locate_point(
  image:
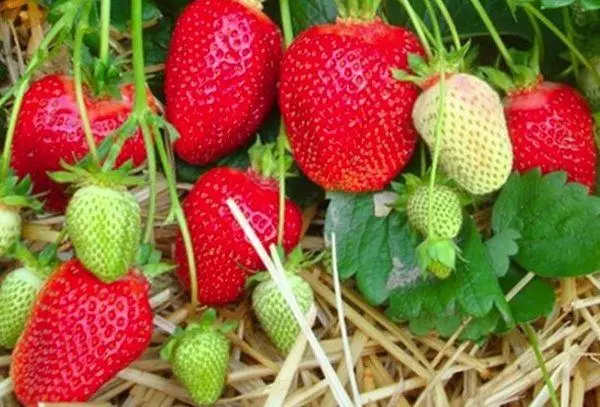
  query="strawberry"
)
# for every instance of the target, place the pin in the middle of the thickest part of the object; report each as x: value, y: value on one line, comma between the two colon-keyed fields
x: 49, y: 129
x: 200, y: 358
x: 347, y: 119
x: 447, y: 212
x: 17, y: 295
x: 223, y: 255
x: 221, y: 74
x: 19, y: 291
x: 475, y: 148
x: 10, y: 227
x: 274, y: 314
x: 81, y: 333
x: 105, y: 226
x: 552, y: 128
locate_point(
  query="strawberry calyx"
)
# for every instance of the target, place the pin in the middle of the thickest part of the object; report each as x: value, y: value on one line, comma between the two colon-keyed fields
x: 265, y: 159
x: 412, y: 183
x: 207, y: 322
x: 437, y: 256
x: 80, y: 176
x: 38, y: 266
x: 426, y: 73
x: 148, y: 261
x: 16, y: 193
x: 295, y: 261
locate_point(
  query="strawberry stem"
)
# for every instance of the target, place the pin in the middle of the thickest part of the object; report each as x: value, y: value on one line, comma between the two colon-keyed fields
x: 554, y: 29
x: 538, y: 40
x: 181, y: 220
x: 570, y: 34
x: 494, y: 34
x: 140, y: 109
x: 286, y: 22
x: 451, y: 26
x: 80, y: 31
x: 436, y: 151
x: 439, y: 42
x: 281, y: 171
x: 104, y: 30
x: 353, y: 8
x: 419, y: 26
x: 531, y: 336
x: 65, y: 21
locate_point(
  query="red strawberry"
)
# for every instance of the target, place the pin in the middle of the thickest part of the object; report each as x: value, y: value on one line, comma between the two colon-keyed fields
x: 224, y: 258
x: 551, y: 127
x: 81, y: 333
x: 221, y: 75
x: 49, y: 129
x: 348, y: 120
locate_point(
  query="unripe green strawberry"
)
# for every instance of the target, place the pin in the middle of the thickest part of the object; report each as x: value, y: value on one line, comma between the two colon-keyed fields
x: 274, y: 314
x: 475, y: 148
x: 17, y: 295
x: 447, y: 212
x: 10, y: 227
x: 104, y: 225
x: 200, y: 358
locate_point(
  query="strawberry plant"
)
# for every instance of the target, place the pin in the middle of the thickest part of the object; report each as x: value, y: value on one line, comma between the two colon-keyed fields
x: 438, y: 156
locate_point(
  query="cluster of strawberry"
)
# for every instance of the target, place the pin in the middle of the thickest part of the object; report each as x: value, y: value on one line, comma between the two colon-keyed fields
x: 352, y: 126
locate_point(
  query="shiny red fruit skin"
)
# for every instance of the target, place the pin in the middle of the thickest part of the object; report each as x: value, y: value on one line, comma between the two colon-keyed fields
x: 551, y: 127
x: 81, y: 333
x: 49, y: 129
x: 348, y: 120
x: 224, y: 258
x: 220, y: 78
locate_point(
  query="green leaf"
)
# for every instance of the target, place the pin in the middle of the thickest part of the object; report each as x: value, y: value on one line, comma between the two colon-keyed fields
x: 472, y: 289
x: 555, y: 3
x: 378, y: 251
x: 501, y: 247
x: 120, y: 13
x: 534, y: 301
x: 307, y: 13
x: 559, y: 224
x: 590, y: 4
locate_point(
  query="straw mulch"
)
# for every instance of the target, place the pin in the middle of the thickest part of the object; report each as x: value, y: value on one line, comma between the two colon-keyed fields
x: 392, y: 367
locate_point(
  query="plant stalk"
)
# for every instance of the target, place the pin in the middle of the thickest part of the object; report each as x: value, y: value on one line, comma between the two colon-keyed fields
x: 418, y: 26
x: 494, y: 34
x: 140, y: 108
x: 286, y: 22
x: 436, y: 150
x: 451, y: 26
x: 531, y: 336
x: 104, y: 30
x: 82, y: 27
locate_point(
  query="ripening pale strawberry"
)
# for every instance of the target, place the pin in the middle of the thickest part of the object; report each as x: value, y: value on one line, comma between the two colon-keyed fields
x: 447, y: 212
x: 80, y: 334
x: 475, y: 147
x: 17, y: 295
x: 224, y: 257
x: 274, y: 314
x: 552, y: 128
x: 199, y: 358
x: 221, y: 76
x: 10, y: 227
x: 104, y: 225
x: 348, y: 120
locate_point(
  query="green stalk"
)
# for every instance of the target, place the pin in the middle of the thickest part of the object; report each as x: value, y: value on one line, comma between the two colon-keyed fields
x: 531, y: 336
x: 550, y: 25
x: 436, y: 149
x: 82, y: 27
x: 22, y: 87
x: 569, y: 30
x: 286, y: 22
x: 418, y: 26
x: 281, y: 176
x: 539, y: 38
x: 140, y: 108
x: 104, y: 30
x: 353, y: 8
x: 450, y: 22
x: 181, y: 220
x: 439, y: 42
x: 494, y: 34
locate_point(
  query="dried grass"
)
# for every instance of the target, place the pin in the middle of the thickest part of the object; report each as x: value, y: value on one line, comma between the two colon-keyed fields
x: 392, y: 367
